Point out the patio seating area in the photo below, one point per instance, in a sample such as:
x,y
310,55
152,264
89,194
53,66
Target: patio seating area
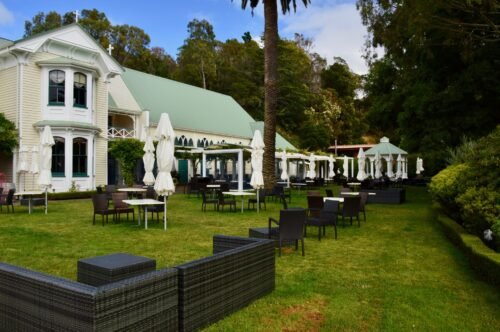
x,y
380,262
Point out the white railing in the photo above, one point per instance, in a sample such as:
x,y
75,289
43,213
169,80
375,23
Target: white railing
x,y
120,133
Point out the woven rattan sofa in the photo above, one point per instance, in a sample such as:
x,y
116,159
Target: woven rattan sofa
x,y
33,301
186,297
240,271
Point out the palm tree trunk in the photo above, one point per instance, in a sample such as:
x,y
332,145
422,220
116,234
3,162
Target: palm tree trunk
x,y
271,89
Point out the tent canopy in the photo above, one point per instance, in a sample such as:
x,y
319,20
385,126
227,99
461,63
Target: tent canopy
x,y
384,148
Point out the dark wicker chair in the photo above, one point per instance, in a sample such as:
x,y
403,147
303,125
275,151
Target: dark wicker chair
x,y
290,227
100,203
121,207
344,190
313,193
223,201
7,200
262,200
110,189
329,192
314,205
206,201
351,208
327,217
362,203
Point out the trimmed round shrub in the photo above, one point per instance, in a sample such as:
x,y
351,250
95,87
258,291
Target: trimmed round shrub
x,y
479,209
447,185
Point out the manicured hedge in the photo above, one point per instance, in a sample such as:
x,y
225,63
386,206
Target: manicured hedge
x,y
71,195
485,261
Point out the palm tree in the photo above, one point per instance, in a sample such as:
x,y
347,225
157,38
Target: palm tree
x,y
271,78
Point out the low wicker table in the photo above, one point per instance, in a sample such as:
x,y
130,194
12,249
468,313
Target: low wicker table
x,y
101,270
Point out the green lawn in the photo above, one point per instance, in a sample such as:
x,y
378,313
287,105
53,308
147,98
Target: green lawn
x,y
397,272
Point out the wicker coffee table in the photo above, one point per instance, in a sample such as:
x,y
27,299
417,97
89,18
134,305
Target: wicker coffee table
x,y
101,270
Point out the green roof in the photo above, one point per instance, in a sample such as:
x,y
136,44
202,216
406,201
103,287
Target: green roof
x,y
191,108
384,148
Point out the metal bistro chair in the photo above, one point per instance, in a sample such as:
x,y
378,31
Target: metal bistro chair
x,y
329,192
290,227
100,203
121,207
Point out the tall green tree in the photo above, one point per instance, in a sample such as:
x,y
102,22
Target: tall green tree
x,y
444,70
270,79
197,56
8,135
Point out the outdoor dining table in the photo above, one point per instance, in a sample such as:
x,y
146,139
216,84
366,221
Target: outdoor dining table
x,y
354,185
239,193
298,185
355,193
132,191
145,202
30,195
338,199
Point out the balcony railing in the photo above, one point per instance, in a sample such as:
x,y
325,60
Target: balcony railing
x,y
120,133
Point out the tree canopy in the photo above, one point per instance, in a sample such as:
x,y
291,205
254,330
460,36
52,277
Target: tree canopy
x,y
438,79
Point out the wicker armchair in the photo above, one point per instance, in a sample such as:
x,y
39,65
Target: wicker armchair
x,y
290,227
327,217
121,207
223,201
206,201
351,208
7,200
314,205
100,203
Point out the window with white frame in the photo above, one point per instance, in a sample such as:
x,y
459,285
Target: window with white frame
x,y
57,80
79,157
58,157
80,90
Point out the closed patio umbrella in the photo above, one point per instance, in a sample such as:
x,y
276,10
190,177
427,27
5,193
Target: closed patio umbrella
x,y
378,166
45,178
35,162
345,166
257,180
361,165
331,170
164,185
284,168
149,161
420,167
23,166
312,166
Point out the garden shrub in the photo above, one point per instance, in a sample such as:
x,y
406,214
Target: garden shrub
x,y
468,190
447,185
479,209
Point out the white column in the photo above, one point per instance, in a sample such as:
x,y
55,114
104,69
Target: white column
x,y
203,164
352,167
240,170
372,160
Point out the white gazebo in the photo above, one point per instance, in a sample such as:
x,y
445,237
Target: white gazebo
x,y
386,151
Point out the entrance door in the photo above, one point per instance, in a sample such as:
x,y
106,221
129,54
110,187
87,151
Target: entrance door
x,y
183,171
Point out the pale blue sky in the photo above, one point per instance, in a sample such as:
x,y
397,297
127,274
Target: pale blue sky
x,y
334,25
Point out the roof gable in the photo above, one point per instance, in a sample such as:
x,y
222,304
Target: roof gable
x,y
69,41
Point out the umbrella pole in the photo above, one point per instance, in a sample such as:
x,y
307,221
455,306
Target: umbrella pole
x,y
46,200
258,200
164,212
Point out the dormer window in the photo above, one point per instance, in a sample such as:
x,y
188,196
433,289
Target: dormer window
x,y
56,87
80,90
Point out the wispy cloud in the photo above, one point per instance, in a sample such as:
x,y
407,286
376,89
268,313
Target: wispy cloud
x,y
336,29
6,16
